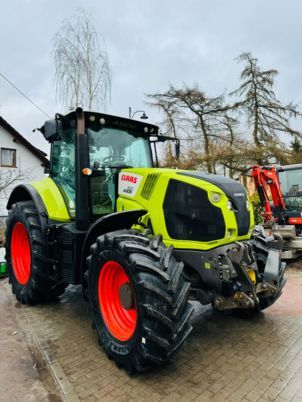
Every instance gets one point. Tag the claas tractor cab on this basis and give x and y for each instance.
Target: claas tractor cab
(141, 240)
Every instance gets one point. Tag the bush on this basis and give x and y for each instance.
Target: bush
(258, 209)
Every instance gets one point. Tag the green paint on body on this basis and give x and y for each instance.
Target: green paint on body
(207, 265)
(53, 199)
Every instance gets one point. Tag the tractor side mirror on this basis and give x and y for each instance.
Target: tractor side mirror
(52, 130)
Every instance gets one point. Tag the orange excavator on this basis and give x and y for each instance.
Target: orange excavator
(280, 193)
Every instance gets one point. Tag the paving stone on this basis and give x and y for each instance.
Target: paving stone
(225, 359)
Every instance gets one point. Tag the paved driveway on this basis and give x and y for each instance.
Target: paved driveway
(226, 358)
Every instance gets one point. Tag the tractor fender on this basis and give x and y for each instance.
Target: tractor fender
(106, 224)
(26, 192)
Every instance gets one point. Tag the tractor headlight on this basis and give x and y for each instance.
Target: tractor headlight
(216, 197)
(230, 205)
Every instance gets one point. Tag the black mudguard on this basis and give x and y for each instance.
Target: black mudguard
(26, 192)
(106, 224)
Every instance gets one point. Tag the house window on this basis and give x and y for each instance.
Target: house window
(8, 157)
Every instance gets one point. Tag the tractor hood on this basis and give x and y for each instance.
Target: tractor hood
(234, 191)
(230, 187)
(195, 209)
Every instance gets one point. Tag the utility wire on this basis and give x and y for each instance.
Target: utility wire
(23, 94)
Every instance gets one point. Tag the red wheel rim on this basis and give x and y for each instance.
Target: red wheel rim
(121, 322)
(20, 253)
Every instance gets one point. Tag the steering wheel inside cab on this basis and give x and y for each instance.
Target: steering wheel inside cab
(115, 162)
(108, 160)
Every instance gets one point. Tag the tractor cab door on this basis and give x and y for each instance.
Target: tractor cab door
(63, 167)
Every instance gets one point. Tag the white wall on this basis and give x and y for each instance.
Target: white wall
(27, 164)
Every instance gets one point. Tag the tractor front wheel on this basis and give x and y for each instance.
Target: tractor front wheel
(138, 299)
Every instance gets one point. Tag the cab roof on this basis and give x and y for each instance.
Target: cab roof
(106, 120)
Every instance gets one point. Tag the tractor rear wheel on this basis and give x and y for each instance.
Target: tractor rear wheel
(138, 299)
(26, 256)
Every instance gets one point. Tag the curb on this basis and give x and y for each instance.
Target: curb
(55, 378)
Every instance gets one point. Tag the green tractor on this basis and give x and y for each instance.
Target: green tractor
(142, 241)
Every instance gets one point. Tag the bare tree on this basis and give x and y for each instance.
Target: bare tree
(9, 177)
(230, 136)
(82, 69)
(266, 115)
(197, 117)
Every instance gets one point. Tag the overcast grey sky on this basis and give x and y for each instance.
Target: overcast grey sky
(150, 44)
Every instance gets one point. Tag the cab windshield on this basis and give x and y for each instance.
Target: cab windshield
(110, 147)
(291, 187)
(110, 150)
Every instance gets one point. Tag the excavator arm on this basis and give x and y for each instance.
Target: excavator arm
(267, 177)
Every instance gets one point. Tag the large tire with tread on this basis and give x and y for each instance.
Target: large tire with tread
(26, 256)
(155, 322)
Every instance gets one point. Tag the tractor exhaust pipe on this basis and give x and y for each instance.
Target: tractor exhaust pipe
(82, 181)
